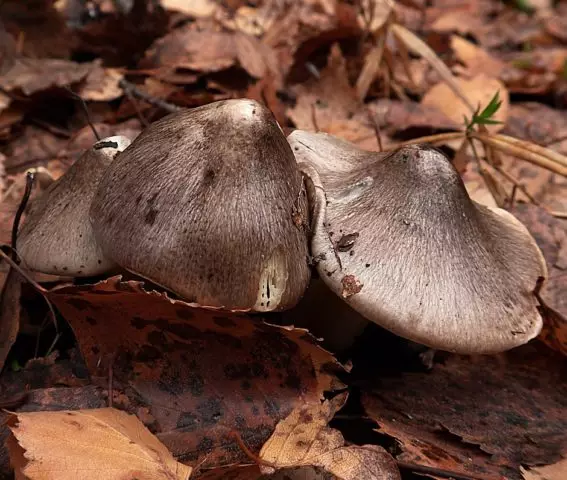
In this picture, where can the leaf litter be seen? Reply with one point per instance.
(221, 392)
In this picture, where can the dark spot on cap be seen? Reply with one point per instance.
(105, 144)
(91, 320)
(151, 216)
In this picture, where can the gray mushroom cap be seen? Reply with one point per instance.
(57, 237)
(397, 236)
(209, 203)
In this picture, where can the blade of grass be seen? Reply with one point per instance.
(527, 151)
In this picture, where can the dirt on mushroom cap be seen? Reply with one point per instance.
(432, 265)
(211, 195)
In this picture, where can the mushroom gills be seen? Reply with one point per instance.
(427, 262)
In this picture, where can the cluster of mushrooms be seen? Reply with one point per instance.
(215, 205)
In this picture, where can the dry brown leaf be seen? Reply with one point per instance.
(33, 75)
(11, 288)
(254, 56)
(493, 402)
(556, 471)
(194, 8)
(419, 47)
(374, 14)
(103, 444)
(479, 90)
(330, 104)
(204, 50)
(370, 68)
(304, 439)
(201, 373)
(476, 59)
(463, 21)
(101, 85)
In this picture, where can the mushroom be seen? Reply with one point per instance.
(57, 237)
(398, 238)
(209, 203)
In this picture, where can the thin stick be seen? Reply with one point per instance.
(314, 117)
(434, 471)
(376, 128)
(529, 152)
(86, 112)
(156, 102)
(432, 139)
(42, 291)
(251, 455)
(132, 99)
(30, 177)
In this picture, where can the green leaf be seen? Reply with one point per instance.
(485, 117)
(492, 107)
(486, 121)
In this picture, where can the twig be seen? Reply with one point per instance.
(30, 176)
(251, 455)
(86, 112)
(42, 291)
(376, 128)
(156, 102)
(314, 117)
(434, 471)
(529, 152)
(132, 99)
(432, 139)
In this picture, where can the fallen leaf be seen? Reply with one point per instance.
(33, 75)
(9, 312)
(102, 85)
(550, 234)
(475, 58)
(557, 471)
(304, 439)
(202, 373)
(330, 104)
(89, 444)
(479, 90)
(464, 20)
(203, 50)
(374, 13)
(495, 402)
(398, 116)
(195, 8)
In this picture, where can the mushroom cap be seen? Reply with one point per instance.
(57, 237)
(398, 237)
(209, 203)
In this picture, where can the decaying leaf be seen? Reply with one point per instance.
(557, 471)
(32, 75)
(479, 90)
(102, 85)
(89, 444)
(493, 402)
(195, 8)
(330, 104)
(203, 374)
(304, 439)
(9, 312)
